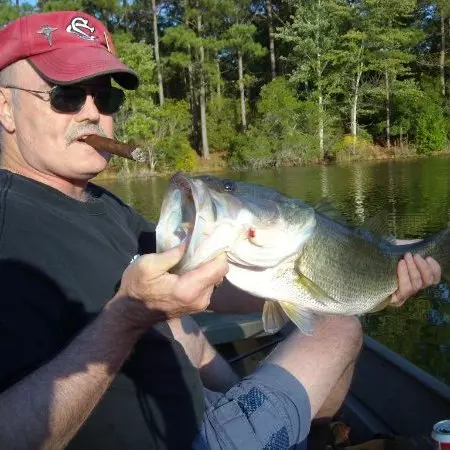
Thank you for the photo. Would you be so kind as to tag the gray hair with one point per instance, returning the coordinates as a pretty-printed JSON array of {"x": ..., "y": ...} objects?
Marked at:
[{"x": 7, "y": 76}]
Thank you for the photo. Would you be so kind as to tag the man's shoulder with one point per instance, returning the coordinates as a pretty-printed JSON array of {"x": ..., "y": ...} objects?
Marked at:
[
  {"x": 100, "y": 191},
  {"x": 112, "y": 202}
]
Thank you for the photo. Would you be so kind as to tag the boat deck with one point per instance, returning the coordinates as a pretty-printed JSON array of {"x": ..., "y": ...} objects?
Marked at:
[{"x": 389, "y": 395}]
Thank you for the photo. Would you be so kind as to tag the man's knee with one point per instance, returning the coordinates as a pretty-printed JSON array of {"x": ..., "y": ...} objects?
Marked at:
[{"x": 349, "y": 333}]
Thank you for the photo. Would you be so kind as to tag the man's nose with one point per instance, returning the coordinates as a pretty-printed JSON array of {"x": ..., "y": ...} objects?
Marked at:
[{"x": 89, "y": 111}]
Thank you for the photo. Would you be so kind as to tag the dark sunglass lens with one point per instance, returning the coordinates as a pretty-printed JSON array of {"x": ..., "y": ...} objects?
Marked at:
[
  {"x": 109, "y": 101},
  {"x": 67, "y": 99}
]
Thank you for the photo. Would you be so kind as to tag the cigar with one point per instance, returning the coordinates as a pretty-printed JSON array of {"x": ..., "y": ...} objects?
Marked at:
[{"x": 116, "y": 147}]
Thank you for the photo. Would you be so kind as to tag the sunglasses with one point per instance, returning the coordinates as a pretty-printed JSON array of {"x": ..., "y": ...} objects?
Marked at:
[{"x": 71, "y": 99}]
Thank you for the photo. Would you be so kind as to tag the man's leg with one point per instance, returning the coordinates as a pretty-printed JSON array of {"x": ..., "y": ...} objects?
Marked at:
[
  {"x": 215, "y": 373},
  {"x": 303, "y": 378},
  {"x": 320, "y": 426},
  {"x": 331, "y": 354},
  {"x": 323, "y": 362}
]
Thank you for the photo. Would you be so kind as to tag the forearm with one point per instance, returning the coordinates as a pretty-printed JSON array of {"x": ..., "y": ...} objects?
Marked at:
[
  {"x": 46, "y": 409},
  {"x": 215, "y": 373},
  {"x": 228, "y": 299}
]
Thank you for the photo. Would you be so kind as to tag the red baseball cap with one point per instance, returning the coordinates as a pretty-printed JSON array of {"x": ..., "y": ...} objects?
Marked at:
[{"x": 64, "y": 47}]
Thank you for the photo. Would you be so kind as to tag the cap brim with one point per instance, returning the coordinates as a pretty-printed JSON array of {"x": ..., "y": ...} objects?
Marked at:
[{"x": 79, "y": 64}]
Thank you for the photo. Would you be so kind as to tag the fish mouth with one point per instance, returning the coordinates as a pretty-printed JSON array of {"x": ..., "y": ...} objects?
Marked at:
[{"x": 183, "y": 213}]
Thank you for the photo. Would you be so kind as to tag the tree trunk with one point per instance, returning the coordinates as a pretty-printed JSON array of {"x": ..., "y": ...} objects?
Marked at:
[
  {"x": 319, "y": 84},
  {"x": 219, "y": 79},
  {"x": 321, "y": 125},
  {"x": 193, "y": 104},
  {"x": 354, "y": 112},
  {"x": 442, "y": 59},
  {"x": 157, "y": 58},
  {"x": 125, "y": 166},
  {"x": 242, "y": 91},
  {"x": 388, "y": 111},
  {"x": 271, "y": 38},
  {"x": 125, "y": 13},
  {"x": 192, "y": 95},
  {"x": 205, "y": 147}
]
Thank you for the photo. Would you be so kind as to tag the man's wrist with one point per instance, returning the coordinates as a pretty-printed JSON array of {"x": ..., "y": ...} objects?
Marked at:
[{"x": 129, "y": 318}]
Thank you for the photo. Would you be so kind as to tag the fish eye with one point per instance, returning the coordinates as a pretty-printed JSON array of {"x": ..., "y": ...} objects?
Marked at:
[{"x": 228, "y": 185}]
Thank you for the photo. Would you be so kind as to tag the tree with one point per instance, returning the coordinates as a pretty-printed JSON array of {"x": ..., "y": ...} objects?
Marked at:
[
  {"x": 391, "y": 37},
  {"x": 156, "y": 51},
  {"x": 137, "y": 119},
  {"x": 313, "y": 34},
  {"x": 240, "y": 40},
  {"x": 271, "y": 37}
]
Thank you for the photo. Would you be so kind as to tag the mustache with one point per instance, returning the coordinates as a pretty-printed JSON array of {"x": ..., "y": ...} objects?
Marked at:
[{"x": 77, "y": 131}]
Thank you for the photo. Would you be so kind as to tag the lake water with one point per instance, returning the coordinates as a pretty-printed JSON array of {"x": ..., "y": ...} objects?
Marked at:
[{"x": 414, "y": 195}]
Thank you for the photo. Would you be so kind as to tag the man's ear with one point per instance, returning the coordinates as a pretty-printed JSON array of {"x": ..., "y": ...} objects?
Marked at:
[{"x": 6, "y": 114}]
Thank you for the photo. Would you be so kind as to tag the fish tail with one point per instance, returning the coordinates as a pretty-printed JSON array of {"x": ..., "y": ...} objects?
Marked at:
[{"x": 438, "y": 247}]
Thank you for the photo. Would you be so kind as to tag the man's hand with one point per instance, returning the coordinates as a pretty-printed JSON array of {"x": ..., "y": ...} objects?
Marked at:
[
  {"x": 414, "y": 274},
  {"x": 149, "y": 294}
]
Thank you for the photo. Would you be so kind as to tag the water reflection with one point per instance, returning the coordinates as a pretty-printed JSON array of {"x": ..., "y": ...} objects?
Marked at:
[{"x": 414, "y": 196}]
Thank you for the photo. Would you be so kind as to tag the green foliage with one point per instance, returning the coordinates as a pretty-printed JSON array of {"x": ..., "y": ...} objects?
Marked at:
[
  {"x": 339, "y": 64},
  {"x": 431, "y": 129},
  {"x": 222, "y": 122},
  {"x": 178, "y": 153},
  {"x": 278, "y": 107},
  {"x": 251, "y": 150},
  {"x": 137, "y": 120},
  {"x": 8, "y": 12},
  {"x": 63, "y": 5},
  {"x": 283, "y": 133}
]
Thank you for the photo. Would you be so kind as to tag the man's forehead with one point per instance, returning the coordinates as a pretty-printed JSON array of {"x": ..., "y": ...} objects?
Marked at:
[{"x": 24, "y": 73}]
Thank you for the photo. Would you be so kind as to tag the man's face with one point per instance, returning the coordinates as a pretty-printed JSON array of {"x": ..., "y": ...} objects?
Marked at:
[{"x": 48, "y": 141}]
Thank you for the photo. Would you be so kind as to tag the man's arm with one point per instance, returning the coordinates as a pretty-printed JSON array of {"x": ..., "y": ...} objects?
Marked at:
[
  {"x": 228, "y": 299},
  {"x": 216, "y": 374},
  {"x": 46, "y": 408}
]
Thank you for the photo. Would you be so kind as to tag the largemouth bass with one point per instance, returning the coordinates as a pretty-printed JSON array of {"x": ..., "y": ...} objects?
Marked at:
[{"x": 301, "y": 259}]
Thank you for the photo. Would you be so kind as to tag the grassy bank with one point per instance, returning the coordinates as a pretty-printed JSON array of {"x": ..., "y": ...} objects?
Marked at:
[{"x": 218, "y": 161}]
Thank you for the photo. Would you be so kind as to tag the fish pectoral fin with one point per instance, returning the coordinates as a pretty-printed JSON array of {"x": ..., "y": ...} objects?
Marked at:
[
  {"x": 303, "y": 319},
  {"x": 316, "y": 291},
  {"x": 273, "y": 317}
]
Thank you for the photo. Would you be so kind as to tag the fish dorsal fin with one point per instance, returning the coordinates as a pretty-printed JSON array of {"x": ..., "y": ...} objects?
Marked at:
[
  {"x": 326, "y": 208},
  {"x": 378, "y": 225}
]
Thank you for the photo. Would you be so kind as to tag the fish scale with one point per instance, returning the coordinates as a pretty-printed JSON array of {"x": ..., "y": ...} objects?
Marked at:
[
  {"x": 365, "y": 278},
  {"x": 303, "y": 260}
]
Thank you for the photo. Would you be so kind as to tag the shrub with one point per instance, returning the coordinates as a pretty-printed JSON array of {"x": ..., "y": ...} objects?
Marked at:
[
  {"x": 177, "y": 153},
  {"x": 431, "y": 129}
]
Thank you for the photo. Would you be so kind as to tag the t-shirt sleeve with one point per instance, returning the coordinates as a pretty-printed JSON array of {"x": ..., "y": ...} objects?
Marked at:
[
  {"x": 269, "y": 409},
  {"x": 144, "y": 231}
]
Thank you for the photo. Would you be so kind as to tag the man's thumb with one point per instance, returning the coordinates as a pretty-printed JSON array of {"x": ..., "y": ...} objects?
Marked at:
[{"x": 164, "y": 261}]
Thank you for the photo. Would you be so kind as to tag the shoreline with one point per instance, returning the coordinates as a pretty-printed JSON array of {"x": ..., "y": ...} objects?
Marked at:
[{"x": 218, "y": 164}]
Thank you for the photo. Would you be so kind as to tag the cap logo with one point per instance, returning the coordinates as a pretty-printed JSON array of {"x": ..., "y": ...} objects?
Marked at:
[
  {"x": 77, "y": 26},
  {"x": 47, "y": 31}
]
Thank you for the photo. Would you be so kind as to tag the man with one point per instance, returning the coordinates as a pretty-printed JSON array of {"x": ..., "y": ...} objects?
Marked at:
[{"x": 78, "y": 370}]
